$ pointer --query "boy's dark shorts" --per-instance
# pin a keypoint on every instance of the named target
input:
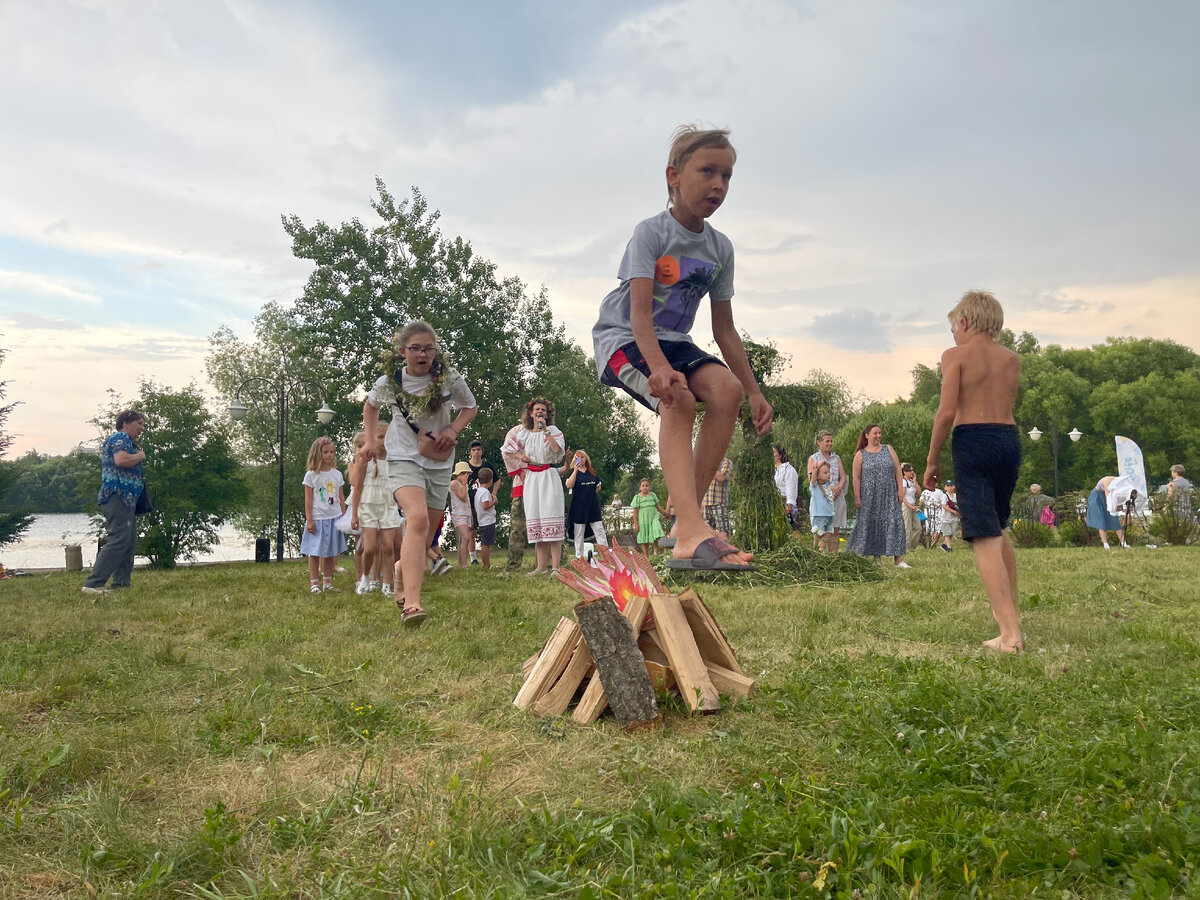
(487, 535)
(986, 458)
(627, 368)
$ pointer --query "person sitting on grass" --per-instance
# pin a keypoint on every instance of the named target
(643, 346)
(979, 385)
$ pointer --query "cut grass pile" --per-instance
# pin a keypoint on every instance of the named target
(219, 732)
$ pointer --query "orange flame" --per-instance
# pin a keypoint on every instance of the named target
(623, 586)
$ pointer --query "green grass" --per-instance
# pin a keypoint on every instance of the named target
(219, 732)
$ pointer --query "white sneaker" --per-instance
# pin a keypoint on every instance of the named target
(363, 586)
(441, 567)
(385, 589)
(903, 565)
(87, 589)
(1126, 546)
(1106, 547)
(328, 588)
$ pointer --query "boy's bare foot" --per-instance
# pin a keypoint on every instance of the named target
(999, 645)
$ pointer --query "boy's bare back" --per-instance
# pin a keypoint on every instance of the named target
(986, 376)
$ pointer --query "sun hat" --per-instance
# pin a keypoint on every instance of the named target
(460, 467)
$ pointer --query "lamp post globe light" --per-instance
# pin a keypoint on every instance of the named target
(284, 390)
(1035, 435)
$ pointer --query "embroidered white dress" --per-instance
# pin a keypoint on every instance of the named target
(545, 508)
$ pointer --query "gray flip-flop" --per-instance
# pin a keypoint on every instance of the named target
(709, 557)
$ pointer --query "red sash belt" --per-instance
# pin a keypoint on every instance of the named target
(538, 467)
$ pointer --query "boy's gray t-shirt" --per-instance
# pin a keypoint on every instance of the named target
(684, 265)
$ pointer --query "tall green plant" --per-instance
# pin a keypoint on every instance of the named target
(13, 522)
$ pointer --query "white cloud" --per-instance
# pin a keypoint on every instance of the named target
(46, 286)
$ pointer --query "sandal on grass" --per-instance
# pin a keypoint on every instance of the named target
(710, 556)
(413, 617)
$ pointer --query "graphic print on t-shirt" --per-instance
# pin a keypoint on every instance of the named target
(679, 285)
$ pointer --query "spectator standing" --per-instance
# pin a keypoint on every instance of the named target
(538, 445)
(715, 506)
(787, 480)
(1179, 490)
(912, 515)
(837, 481)
(932, 500)
(516, 512)
(485, 511)
(878, 492)
(950, 521)
(122, 485)
(646, 508)
(584, 485)
(476, 461)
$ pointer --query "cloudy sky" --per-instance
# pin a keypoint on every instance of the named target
(890, 156)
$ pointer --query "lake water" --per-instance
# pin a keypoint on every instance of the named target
(42, 546)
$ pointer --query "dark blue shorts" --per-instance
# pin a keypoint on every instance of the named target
(628, 369)
(487, 535)
(986, 459)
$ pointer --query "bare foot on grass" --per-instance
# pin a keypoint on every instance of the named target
(999, 645)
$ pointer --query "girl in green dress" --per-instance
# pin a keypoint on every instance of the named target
(646, 509)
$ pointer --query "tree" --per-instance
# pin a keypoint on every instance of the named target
(54, 484)
(13, 521)
(366, 283)
(193, 480)
(906, 428)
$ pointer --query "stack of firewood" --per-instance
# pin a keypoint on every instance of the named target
(612, 653)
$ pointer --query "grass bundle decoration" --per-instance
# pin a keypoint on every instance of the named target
(759, 520)
(792, 564)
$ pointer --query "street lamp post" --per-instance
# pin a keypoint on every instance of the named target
(1035, 435)
(284, 389)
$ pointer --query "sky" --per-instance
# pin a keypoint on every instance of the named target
(891, 155)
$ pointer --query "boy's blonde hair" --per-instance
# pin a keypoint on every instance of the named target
(982, 311)
(687, 139)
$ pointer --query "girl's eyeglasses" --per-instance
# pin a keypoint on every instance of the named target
(427, 349)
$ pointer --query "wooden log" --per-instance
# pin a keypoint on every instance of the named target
(680, 646)
(661, 676)
(527, 666)
(648, 643)
(555, 701)
(594, 698)
(714, 646)
(554, 658)
(729, 682)
(620, 666)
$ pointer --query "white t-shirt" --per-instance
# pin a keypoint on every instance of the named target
(685, 265)
(932, 501)
(485, 516)
(400, 440)
(325, 488)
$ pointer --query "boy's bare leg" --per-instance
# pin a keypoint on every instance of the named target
(997, 566)
(555, 554)
(719, 391)
(678, 463)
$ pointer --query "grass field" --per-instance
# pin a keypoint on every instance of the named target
(218, 732)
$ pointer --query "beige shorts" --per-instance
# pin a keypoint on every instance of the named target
(378, 515)
(434, 482)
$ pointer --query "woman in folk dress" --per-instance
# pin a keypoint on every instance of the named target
(538, 445)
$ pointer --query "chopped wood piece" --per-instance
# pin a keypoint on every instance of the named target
(680, 646)
(595, 698)
(527, 666)
(550, 664)
(555, 701)
(652, 649)
(619, 663)
(727, 681)
(661, 676)
(710, 639)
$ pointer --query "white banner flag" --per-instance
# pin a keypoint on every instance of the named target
(1132, 473)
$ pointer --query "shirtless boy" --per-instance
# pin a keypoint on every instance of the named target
(979, 385)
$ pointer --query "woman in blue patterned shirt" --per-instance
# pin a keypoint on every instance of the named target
(122, 481)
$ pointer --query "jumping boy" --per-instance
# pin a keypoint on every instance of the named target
(979, 385)
(643, 346)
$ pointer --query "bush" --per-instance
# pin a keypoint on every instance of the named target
(1028, 534)
(1075, 533)
(1171, 523)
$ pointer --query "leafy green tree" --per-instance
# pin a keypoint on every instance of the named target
(54, 484)
(13, 521)
(193, 479)
(906, 428)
